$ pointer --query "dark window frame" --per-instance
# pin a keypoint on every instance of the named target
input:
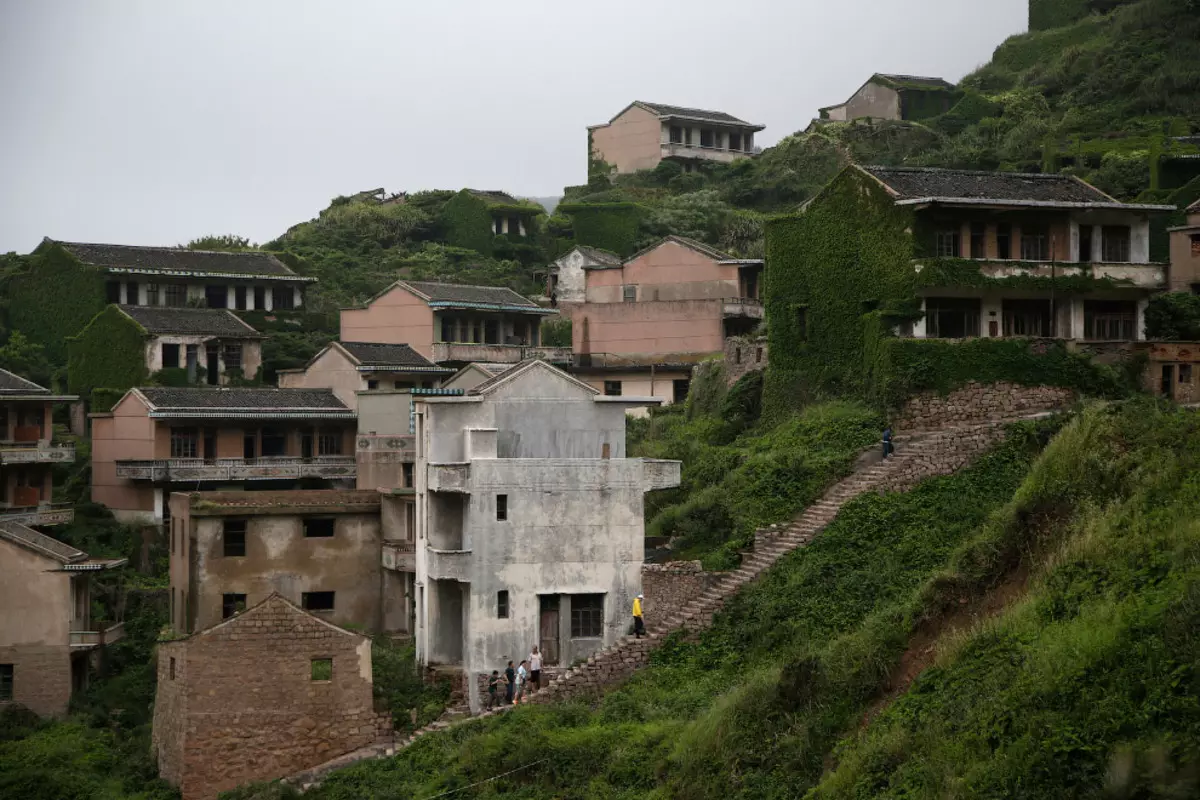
(1116, 244)
(229, 603)
(320, 670)
(175, 295)
(612, 388)
(8, 681)
(316, 601)
(947, 243)
(185, 442)
(502, 508)
(319, 527)
(502, 604)
(233, 538)
(587, 616)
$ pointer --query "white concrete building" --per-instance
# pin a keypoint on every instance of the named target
(529, 521)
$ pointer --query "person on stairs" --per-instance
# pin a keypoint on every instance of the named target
(522, 679)
(639, 626)
(535, 670)
(510, 683)
(888, 449)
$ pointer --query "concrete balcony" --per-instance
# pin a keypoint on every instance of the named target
(43, 514)
(97, 638)
(39, 452)
(703, 153)
(448, 565)
(400, 556)
(449, 478)
(170, 470)
(404, 448)
(660, 473)
(497, 353)
(742, 307)
(1134, 276)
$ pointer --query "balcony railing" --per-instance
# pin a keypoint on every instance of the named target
(449, 478)
(679, 150)
(36, 452)
(742, 307)
(236, 469)
(96, 638)
(498, 353)
(41, 514)
(1149, 275)
(403, 447)
(448, 565)
(400, 556)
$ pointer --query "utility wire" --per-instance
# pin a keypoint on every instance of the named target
(488, 780)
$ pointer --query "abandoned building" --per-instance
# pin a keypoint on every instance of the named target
(48, 630)
(319, 548)
(157, 440)
(566, 279)
(453, 324)
(269, 692)
(1172, 370)
(29, 450)
(352, 367)
(1185, 253)
(529, 521)
(645, 321)
(894, 97)
(177, 277)
(644, 134)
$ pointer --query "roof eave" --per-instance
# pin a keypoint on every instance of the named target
(982, 201)
(188, 274)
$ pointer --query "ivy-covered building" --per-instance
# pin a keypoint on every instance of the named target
(123, 345)
(29, 449)
(895, 97)
(643, 134)
(913, 253)
(490, 222)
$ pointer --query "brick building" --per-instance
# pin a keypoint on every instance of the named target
(270, 692)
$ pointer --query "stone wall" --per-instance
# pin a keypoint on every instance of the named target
(238, 702)
(672, 585)
(744, 355)
(976, 403)
(41, 677)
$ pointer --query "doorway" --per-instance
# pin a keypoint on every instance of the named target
(548, 628)
(1167, 386)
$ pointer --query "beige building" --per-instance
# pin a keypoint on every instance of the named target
(318, 548)
(47, 630)
(1185, 253)
(267, 693)
(643, 134)
(157, 440)
(352, 367)
(28, 452)
(894, 97)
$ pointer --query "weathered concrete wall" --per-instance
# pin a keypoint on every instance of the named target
(242, 704)
(572, 278)
(977, 402)
(630, 142)
(743, 356)
(1185, 258)
(873, 100)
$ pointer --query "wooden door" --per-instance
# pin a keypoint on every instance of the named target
(548, 629)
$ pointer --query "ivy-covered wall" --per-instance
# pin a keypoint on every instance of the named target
(1047, 14)
(109, 353)
(608, 226)
(467, 222)
(54, 299)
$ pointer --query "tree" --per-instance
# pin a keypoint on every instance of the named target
(230, 242)
(22, 357)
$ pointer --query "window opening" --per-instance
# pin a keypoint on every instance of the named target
(978, 240)
(184, 443)
(175, 295)
(587, 616)
(232, 604)
(316, 601)
(1004, 241)
(1085, 243)
(1115, 244)
(170, 356)
(233, 535)
(502, 604)
(6, 681)
(612, 388)
(319, 527)
(501, 507)
(321, 669)
(947, 244)
(1035, 243)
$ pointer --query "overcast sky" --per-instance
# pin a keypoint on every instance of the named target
(156, 121)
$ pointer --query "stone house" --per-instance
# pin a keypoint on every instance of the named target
(352, 367)
(643, 134)
(269, 692)
(319, 548)
(894, 97)
(529, 521)
(647, 320)
(29, 450)
(1184, 275)
(47, 631)
(566, 279)
(453, 324)
(157, 440)
(1172, 370)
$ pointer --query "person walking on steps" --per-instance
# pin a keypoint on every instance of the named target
(510, 680)
(639, 626)
(522, 679)
(535, 670)
(888, 449)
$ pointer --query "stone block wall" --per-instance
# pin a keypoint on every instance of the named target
(41, 677)
(744, 355)
(238, 703)
(977, 403)
(673, 585)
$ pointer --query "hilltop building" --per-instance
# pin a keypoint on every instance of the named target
(895, 97)
(643, 134)
(47, 631)
(1184, 275)
(29, 450)
(352, 367)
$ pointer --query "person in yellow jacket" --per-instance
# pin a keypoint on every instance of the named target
(639, 626)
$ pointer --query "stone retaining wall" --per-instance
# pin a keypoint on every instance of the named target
(673, 585)
(977, 403)
(744, 355)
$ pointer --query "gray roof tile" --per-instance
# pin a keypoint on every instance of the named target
(700, 114)
(24, 535)
(916, 81)
(920, 182)
(175, 259)
(458, 293)
(199, 321)
(242, 398)
(375, 354)
(15, 384)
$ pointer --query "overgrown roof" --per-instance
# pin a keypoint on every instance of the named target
(699, 247)
(599, 256)
(697, 114)
(72, 558)
(259, 401)
(377, 354)
(15, 384)
(195, 321)
(123, 257)
(914, 81)
(494, 197)
(451, 294)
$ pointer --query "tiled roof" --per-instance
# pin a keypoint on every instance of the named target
(175, 259)
(523, 367)
(483, 295)
(922, 182)
(700, 114)
(1194, 208)
(494, 197)
(917, 81)
(15, 384)
(599, 256)
(224, 398)
(24, 535)
(199, 321)
(490, 368)
(375, 354)
(699, 247)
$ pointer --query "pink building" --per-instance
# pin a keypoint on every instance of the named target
(352, 367)
(452, 323)
(1184, 275)
(28, 452)
(643, 134)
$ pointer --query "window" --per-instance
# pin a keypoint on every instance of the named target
(587, 616)
(151, 294)
(1110, 320)
(1185, 373)
(112, 291)
(502, 604)
(1026, 317)
(491, 332)
(321, 669)
(233, 536)
(372, 385)
(1035, 243)
(1085, 243)
(706, 138)
(175, 294)
(735, 141)
(318, 527)
(676, 134)
(737, 355)
(274, 442)
(1196, 245)
(170, 356)
(283, 298)
(239, 298)
(316, 601)
(232, 604)
(629, 294)
(329, 443)
(1115, 244)
(978, 240)
(216, 296)
(184, 443)
(947, 244)
(501, 507)
(612, 388)
(802, 323)
(951, 318)
(172, 667)
(1004, 241)
(6, 681)
(679, 390)
(233, 356)
(407, 469)
(260, 297)
(758, 355)
(131, 293)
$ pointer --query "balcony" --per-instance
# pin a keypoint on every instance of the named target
(449, 478)
(1122, 274)
(403, 448)
(170, 470)
(400, 556)
(658, 473)
(746, 307)
(448, 565)
(673, 150)
(42, 514)
(497, 353)
(114, 633)
(36, 452)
